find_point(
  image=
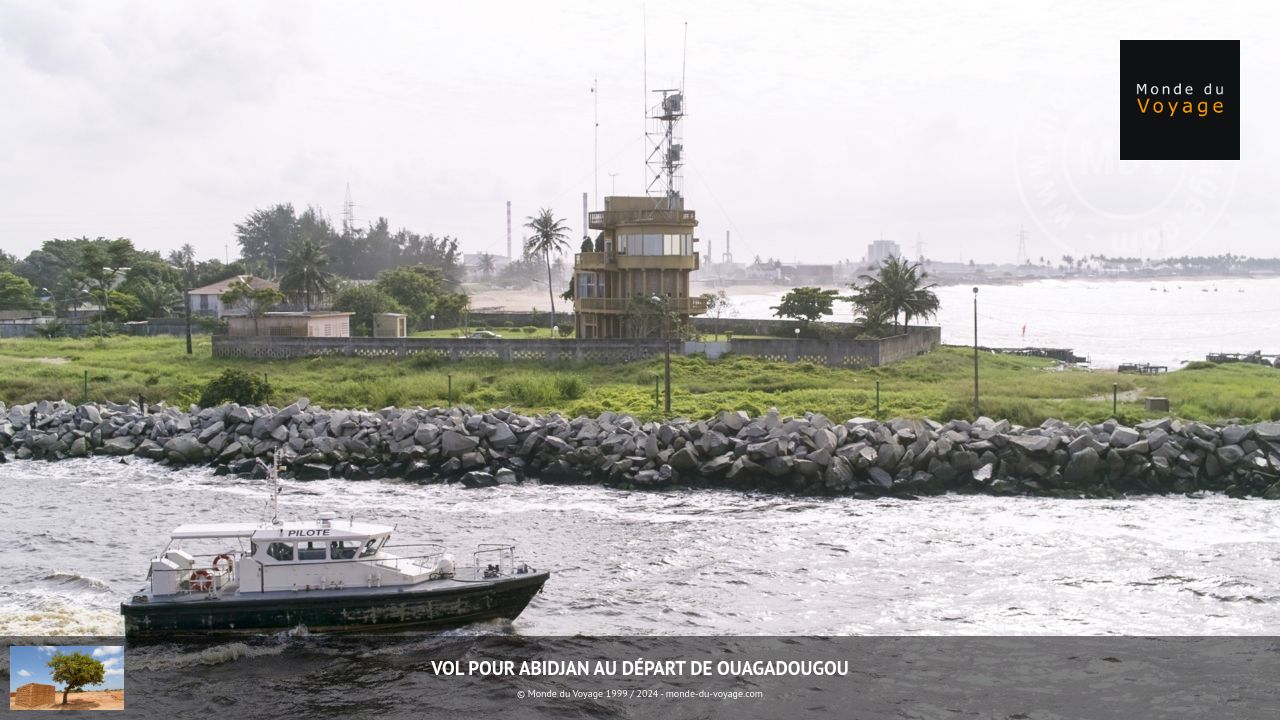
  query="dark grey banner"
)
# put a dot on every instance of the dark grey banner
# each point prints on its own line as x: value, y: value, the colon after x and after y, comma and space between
x: 512, y: 676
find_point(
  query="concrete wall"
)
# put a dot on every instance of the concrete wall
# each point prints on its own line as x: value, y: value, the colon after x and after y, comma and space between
x: 836, y: 353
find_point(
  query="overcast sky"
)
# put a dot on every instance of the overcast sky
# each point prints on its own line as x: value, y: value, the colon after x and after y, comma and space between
x: 813, y: 127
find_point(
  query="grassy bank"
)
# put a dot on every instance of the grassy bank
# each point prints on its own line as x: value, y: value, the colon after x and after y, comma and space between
x: 937, y: 385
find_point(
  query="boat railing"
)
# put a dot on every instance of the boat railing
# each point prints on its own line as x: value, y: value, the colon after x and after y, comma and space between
x: 491, y: 552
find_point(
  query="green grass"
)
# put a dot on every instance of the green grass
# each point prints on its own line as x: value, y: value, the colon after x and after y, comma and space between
x: 937, y: 385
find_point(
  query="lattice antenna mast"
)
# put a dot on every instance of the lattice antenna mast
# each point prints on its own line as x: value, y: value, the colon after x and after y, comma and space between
x: 348, y: 213
x: 1022, y: 246
x: 666, y: 153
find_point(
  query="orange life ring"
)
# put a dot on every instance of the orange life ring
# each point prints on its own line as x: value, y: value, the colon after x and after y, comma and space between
x: 220, y: 558
x: 201, y: 581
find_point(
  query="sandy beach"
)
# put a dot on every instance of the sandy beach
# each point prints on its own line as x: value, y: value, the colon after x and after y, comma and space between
x: 97, y: 700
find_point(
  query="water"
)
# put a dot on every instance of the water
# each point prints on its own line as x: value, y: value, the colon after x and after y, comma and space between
x: 1163, y: 322
x: 78, y: 535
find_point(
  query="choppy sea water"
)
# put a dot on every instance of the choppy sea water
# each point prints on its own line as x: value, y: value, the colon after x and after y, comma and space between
x: 693, y: 562
x: 1158, y: 321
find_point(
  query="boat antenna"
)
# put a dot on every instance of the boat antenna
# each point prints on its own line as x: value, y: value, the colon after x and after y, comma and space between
x: 274, y: 474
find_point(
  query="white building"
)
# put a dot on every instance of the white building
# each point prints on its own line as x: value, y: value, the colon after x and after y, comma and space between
x: 207, y: 300
x: 880, y: 250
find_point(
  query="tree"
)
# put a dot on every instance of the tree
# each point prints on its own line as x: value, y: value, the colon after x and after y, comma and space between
x: 16, y: 293
x: 897, y: 289
x: 486, y: 264
x: 306, y: 274
x: 549, y: 236
x: 255, y: 302
x: 7, y: 261
x: 717, y: 306
x: 365, y: 301
x: 156, y: 300
x: 183, y: 256
x: 100, y: 265
x: 805, y: 304
x: 420, y: 292
x: 264, y: 236
x: 76, y: 670
x: 123, y: 306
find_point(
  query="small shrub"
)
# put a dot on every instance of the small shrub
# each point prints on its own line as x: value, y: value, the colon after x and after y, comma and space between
x: 50, y: 330
x: 528, y: 330
x: 235, y: 386
x: 1200, y: 365
x: 211, y: 325
x: 101, y: 328
x: 570, y: 387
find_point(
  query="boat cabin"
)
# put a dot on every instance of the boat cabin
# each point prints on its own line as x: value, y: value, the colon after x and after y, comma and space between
x: 325, y: 553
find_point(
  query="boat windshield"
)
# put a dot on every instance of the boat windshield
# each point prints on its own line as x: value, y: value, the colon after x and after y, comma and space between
x: 343, y: 549
x: 372, y: 546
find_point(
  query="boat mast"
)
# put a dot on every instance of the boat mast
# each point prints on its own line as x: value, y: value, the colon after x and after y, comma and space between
x: 274, y: 474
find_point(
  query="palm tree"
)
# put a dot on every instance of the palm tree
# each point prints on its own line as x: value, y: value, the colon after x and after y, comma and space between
x: 896, y: 290
x: 549, y: 235
x: 306, y: 273
x: 182, y: 257
x: 159, y: 300
x: 486, y: 264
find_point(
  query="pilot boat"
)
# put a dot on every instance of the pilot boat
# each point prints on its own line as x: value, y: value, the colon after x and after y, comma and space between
x: 327, y: 574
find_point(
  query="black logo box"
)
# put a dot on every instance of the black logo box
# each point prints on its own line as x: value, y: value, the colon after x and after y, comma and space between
x: 1186, y: 65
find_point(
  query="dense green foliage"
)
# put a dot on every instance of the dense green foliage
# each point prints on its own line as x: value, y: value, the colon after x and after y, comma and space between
x: 266, y: 236
x: 806, y: 304
x: 365, y: 301
x: 422, y: 291
x: 16, y: 293
x: 937, y: 385
x: 237, y: 386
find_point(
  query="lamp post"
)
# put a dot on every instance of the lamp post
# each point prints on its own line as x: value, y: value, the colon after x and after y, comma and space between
x: 796, y: 347
x: 976, y: 413
x: 433, y: 323
x: 666, y: 354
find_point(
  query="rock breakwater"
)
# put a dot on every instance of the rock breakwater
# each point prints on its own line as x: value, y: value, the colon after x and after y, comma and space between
x: 810, y: 454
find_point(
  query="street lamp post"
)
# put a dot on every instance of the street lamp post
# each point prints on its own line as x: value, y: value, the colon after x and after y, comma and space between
x: 433, y: 323
x: 976, y: 412
x: 666, y: 353
x: 796, y: 347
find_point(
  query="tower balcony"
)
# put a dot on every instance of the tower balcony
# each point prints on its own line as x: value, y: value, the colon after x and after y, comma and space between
x: 680, y: 305
x: 615, y: 261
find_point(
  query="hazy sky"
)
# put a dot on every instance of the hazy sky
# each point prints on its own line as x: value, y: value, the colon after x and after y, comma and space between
x: 813, y: 127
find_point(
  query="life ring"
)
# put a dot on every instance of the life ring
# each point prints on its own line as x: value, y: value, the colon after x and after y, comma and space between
x: 201, y: 581
x: 230, y: 562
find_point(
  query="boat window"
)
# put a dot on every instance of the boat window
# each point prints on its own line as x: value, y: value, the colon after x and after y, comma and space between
x: 343, y: 549
x: 371, y: 547
x: 280, y: 551
x: 310, y: 552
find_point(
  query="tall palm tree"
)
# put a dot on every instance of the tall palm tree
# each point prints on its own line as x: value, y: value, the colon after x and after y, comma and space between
x: 306, y: 273
x: 895, y: 290
x: 549, y: 235
x: 486, y: 264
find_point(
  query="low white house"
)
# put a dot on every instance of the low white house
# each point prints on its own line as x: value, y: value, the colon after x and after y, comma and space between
x: 207, y: 300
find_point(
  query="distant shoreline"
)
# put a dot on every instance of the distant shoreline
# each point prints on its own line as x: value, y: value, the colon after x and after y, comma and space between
x: 498, y: 300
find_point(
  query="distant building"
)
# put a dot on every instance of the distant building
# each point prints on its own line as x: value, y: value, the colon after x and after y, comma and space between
x: 880, y: 250
x: 809, y: 274
x: 292, y: 324
x: 647, y: 251
x: 769, y: 270
x: 207, y: 300
x: 390, y: 325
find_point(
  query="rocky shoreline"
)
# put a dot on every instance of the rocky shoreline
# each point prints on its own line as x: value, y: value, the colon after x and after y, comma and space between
x: 808, y: 455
